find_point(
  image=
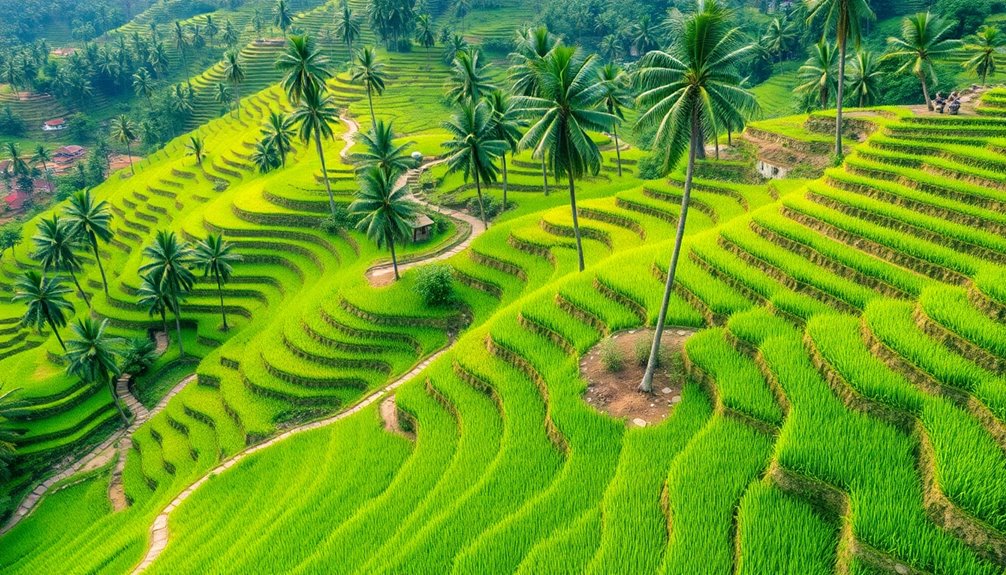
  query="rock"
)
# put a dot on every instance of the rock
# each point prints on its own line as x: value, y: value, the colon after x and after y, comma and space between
x: 676, y: 399
x: 900, y: 569
x: 682, y: 332
x: 665, y: 391
x: 639, y: 422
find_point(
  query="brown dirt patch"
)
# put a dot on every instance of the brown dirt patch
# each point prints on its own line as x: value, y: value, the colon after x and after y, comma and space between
x: 615, y: 391
x: 389, y: 414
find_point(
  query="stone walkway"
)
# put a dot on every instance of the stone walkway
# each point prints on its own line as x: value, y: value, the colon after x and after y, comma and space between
x: 159, y: 529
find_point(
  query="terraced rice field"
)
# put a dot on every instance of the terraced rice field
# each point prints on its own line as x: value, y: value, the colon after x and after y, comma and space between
x: 844, y: 408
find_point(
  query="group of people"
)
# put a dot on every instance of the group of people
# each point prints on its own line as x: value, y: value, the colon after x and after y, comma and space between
x: 952, y: 103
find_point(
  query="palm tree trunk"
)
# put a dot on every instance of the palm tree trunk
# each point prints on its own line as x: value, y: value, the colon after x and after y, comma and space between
x: 504, y: 182
x: 164, y: 322
x: 185, y: 65
x: 324, y: 172
x: 482, y: 210
x: 55, y: 332
x: 618, y: 152
x: 394, y: 258
x: 178, y: 328
x: 101, y: 268
x: 651, y: 365
x: 237, y: 100
x: 841, y: 88
x: 223, y: 310
x: 544, y: 174
x: 129, y: 156
x: 80, y: 289
x: 48, y: 178
x: 925, y: 91
x: 115, y: 400
x: 370, y: 102
x: 576, y: 223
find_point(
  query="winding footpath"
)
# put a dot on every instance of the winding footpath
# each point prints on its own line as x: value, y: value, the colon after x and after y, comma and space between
x: 119, y: 442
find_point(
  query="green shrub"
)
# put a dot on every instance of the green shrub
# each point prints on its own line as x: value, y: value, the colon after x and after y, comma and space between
x: 441, y: 223
x: 650, y: 167
x: 435, y: 284
x: 642, y: 353
x: 139, y: 355
x: 492, y: 206
x: 342, y: 220
x: 611, y: 357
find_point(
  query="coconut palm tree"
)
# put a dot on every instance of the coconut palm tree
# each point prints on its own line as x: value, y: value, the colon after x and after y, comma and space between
x: 91, y: 356
x: 182, y: 45
x: 686, y: 91
x: 46, y: 302
x: 846, y: 18
x: 986, y: 47
x: 644, y: 35
x: 222, y: 95
x: 216, y: 258
x: 562, y: 114
x: 818, y: 73
x: 90, y: 221
x: 42, y: 157
x: 864, y: 77
x: 265, y: 157
x: 506, y: 127
x: 212, y: 29
x: 234, y: 72
x: 347, y: 27
x: 124, y: 132
x: 278, y: 134
x: 9, y: 405
x: 315, y: 115
x: 779, y: 35
x: 369, y: 72
x: 469, y: 80
x: 531, y: 47
x: 158, y: 59
x: 18, y: 167
x: 385, y: 211
x: 282, y: 17
x: 154, y: 298
x: 923, y: 42
x: 453, y: 45
x: 473, y: 147
x: 231, y: 35
x: 143, y: 84
x: 168, y: 265
x: 54, y: 249
x: 305, y: 67
x: 425, y: 34
x: 616, y: 97
x: 382, y: 152
x: 197, y: 149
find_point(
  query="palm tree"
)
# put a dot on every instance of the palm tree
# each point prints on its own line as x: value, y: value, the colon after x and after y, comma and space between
x: 507, y: 128
x: 154, y: 298
x: 91, y: 356
x: 143, y: 84
x: 473, y: 147
x: 8, y: 407
x: 18, y: 167
x: 818, y: 73
x: 425, y: 34
x: 864, y: 77
x: 532, y: 46
x: 278, y: 134
x: 382, y: 152
x: 211, y: 27
x: 197, y: 149
x: 235, y: 73
x: 685, y: 92
x: 369, y: 72
x: 315, y: 116
x: 158, y: 59
x: 283, y: 19
x: 923, y: 42
x: 779, y: 35
x: 54, y: 249
x: 846, y: 18
x: 562, y: 114
x: 265, y: 157
x: 182, y: 45
x: 347, y: 26
x: 305, y: 67
x: 169, y: 267
x: 616, y: 97
x: 181, y: 100
x: 453, y: 46
x: 46, y: 302
x: 124, y: 132
x: 222, y: 96
x: 469, y: 80
x: 986, y: 46
x: 644, y: 35
x: 215, y: 257
x: 611, y: 47
x: 230, y: 36
x: 90, y: 221
x: 43, y: 157
x: 386, y: 211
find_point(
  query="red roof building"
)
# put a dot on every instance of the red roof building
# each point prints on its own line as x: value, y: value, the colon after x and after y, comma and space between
x: 54, y: 125
x: 15, y: 201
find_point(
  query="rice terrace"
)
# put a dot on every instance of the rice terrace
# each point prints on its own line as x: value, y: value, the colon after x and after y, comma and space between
x: 503, y: 286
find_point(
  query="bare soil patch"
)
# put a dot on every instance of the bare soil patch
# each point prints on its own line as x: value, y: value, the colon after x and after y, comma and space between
x: 389, y: 414
x: 615, y: 391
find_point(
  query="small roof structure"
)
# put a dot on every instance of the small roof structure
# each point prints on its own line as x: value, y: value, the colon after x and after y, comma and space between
x: 70, y: 151
x: 15, y: 200
x: 422, y: 221
x: 55, y: 123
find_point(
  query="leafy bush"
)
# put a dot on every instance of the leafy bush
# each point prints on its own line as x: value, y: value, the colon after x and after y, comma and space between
x: 498, y: 45
x: 435, y: 284
x: 492, y: 206
x: 650, y: 167
x: 341, y: 220
x: 611, y: 357
x: 441, y: 223
x: 139, y: 355
x: 10, y: 125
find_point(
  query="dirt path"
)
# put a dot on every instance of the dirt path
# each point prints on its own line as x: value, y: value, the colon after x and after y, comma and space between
x: 159, y: 529
x: 105, y: 451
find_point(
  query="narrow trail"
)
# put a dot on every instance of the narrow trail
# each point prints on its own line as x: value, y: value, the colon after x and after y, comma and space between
x: 383, y: 274
x: 119, y: 442
x: 159, y: 529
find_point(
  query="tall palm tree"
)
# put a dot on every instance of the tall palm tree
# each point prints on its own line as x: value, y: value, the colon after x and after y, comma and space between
x: 685, y: 91
x: 8, y: 407
x: 18, y: 167
x: 452, y: 47
x: 91, y: 356
x: 382, y: 152
x: 197, y: 149
x: 42, y: 157
x: 143, y: 84
x: 347, y: 27
x: 986, y: 47
x: 386, y: 211
x: 425, y: 34
x: 54, y: 249
x: 182, y: 45
x: 562, y: 113
x: 923, y: 42
x: 153, y: 296
x: 315, y: 115
x: 264, y: 156
x: 779, y: 35
x: 864, y: 77
x: 506, y: 128
x: 212, y: 29
x: 305, y: 66
x: 216, y: 258
x: 469, y: 80
x: 223, y: 96
x: 644, y: 35
x: 278, y: 133
x: 282, y: 19
x: 473, y: 147
x: 818, y: 73
x: 124, y: 132
x: 531, y: 47
x: 158, y: 59
x: 231, y: 35
x: 168, y: 265
x: 234, y: 71
x: 46, y: 302
x: 615, y: 97
x: 369, y: 72
x: 90, y: 221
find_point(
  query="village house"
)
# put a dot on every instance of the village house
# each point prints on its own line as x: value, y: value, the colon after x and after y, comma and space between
x: 422, y: 227
x: 54, y: 125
